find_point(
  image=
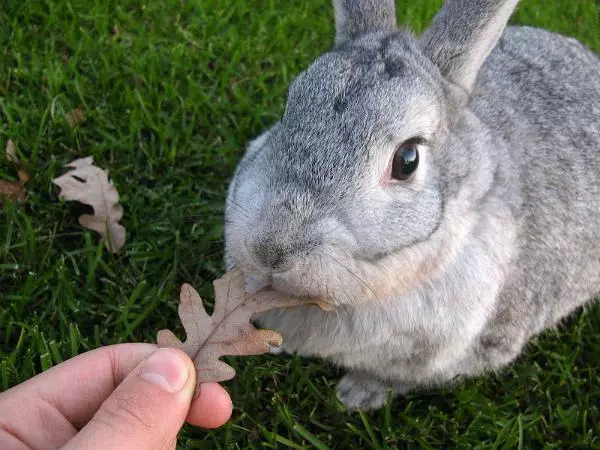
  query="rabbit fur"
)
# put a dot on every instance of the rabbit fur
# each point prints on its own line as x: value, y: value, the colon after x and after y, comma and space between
x: 450, y: 273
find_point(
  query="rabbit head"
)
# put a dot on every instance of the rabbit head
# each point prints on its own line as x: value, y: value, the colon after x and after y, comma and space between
x: 365, y: 187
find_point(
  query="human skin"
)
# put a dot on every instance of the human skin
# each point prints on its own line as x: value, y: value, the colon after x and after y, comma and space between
x: 127, y: 396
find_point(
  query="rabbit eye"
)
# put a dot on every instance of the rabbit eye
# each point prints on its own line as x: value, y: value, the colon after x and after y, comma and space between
x: 406, y: 161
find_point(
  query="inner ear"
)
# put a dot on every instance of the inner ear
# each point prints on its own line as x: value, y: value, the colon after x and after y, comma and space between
x: 355, y: 18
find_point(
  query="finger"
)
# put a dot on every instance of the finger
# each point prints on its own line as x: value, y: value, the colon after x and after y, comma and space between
x: 148, y: 408
x: 63, y: 399
x: 211, y: 408
x: 10, y: 442
x: 78, y: 386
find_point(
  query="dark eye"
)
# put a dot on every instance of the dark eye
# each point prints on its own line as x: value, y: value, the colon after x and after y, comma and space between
x: 405, y: 162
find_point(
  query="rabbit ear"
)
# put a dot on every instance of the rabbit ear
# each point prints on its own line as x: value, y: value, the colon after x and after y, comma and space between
x: 463, y: 34
x: 353, y: 18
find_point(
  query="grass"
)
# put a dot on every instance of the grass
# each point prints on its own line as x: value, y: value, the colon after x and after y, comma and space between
x: 172, y: 91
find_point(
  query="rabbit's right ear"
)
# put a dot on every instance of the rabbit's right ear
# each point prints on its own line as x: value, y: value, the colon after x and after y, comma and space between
x: 353, y: 18
x: 463, y: 34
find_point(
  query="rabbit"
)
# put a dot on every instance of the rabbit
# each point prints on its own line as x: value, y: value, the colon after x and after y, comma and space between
x: 442, y: 192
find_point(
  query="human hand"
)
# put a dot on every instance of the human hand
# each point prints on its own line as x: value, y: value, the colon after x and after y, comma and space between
x: 128, y: 396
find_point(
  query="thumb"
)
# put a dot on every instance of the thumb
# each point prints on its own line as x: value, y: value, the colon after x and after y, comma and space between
x: 147, y: 409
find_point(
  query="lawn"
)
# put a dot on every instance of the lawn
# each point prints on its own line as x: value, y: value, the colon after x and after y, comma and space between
x: 172, y: 90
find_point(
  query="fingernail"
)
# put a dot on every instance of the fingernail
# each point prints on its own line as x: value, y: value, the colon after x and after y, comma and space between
x: 166, y: 369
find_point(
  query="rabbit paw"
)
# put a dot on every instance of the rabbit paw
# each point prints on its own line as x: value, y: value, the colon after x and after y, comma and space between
x: 277, y: 350
x: 358, y: 391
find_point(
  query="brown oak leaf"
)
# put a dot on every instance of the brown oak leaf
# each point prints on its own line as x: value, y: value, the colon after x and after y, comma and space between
x: 228, y: 332
x: 89, y: 184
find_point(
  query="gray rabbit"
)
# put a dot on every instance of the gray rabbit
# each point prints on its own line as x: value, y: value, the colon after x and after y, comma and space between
x: 442, y: 191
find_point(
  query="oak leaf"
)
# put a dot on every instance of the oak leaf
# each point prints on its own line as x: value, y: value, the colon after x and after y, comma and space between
x: 89, y: 184
x: 228, y: 332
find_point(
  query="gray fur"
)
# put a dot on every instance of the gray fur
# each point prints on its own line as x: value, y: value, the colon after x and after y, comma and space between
x: 354, y: 18
x: 462, y: 36
x: 451, y: 273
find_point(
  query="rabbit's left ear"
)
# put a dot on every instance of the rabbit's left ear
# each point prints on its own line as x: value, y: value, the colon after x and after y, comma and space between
x: 462, y: 36
x: 353, y: 18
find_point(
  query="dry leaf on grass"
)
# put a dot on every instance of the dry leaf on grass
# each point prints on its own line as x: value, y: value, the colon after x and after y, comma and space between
x: 23, y: 176
x: 75, y: 117
x: 11, y: 152
x: 228, y: 332
x: 89, y: 184
x: 14, y: 190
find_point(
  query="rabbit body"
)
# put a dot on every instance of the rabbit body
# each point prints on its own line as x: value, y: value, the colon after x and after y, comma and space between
x: 496, y: 236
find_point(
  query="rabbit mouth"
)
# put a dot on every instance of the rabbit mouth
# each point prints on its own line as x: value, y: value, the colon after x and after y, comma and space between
x: 265, y: 284
x: 324, y: 303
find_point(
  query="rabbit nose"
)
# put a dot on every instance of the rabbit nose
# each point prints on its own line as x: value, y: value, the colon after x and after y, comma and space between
x: 274, y: 255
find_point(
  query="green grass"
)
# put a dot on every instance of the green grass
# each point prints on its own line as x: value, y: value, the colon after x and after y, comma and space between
x: 173, y: 90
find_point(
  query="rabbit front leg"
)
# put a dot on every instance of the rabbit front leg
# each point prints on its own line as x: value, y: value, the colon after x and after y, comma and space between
x: 359, y: 390
x: 305, y: 330
x: 363, y: 391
